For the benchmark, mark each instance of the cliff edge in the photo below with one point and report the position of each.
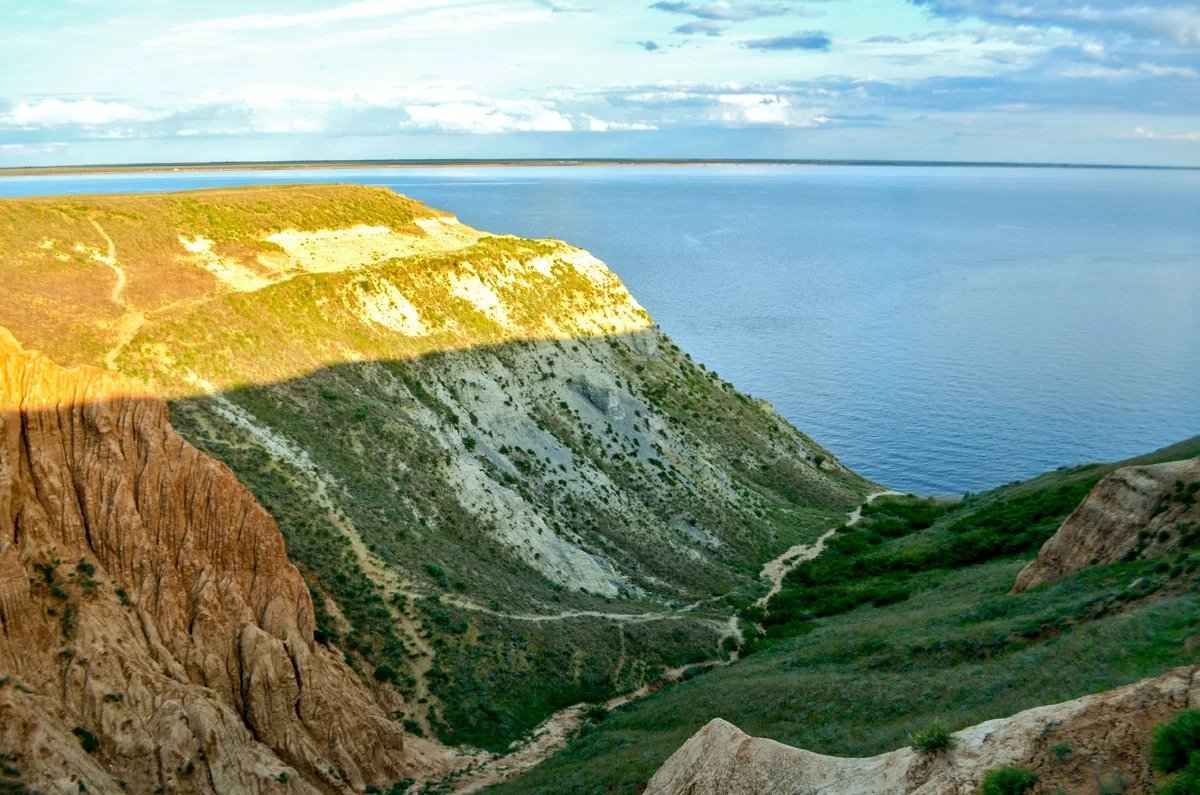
(153, 635)
(1135, 512)
(1077, 745)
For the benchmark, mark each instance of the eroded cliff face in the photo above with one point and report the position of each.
(1135, 511)
(1106, 738)
(152, 632)
(480, 449)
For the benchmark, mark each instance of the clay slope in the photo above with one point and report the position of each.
(153, 634)
(1108, 735)
(1135, 511)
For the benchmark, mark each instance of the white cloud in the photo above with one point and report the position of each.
(1169, 71)
(481, 116)
(766, 109)
(593, 124)
(31, 149)
(364, 9)
(61, 112)
(1187, 137)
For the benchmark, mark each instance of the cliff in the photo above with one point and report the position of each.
(1134, 512)
(482, 453)
(1099, 737)
(153, 635)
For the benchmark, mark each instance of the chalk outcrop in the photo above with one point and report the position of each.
(1137, 511)
(153, 634)
(1099, 738)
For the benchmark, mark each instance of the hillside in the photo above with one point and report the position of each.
(506, 490)
(1070, 746)
(908, 618)
(153, 635)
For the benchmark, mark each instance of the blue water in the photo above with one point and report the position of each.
(939, 329)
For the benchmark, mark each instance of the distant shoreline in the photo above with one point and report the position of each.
(289, 165)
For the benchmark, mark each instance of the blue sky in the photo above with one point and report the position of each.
(104, 81)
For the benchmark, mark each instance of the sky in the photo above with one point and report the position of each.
(134, 81)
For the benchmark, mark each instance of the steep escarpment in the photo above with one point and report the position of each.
(1140, 511)
(482, 453)
(153, 635)
(1077, 746)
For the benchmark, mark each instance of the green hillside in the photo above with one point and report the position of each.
(507, 489)
(907, 619)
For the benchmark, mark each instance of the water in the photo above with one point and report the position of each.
(939, 329)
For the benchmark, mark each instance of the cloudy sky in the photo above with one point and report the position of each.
(104, 81)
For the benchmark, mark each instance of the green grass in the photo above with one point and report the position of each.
(853, 675)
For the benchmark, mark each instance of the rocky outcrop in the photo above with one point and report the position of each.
(1135, 511)
(1078, 746)
(153, 634)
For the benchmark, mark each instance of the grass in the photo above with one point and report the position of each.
(685, 489)
(959, 648)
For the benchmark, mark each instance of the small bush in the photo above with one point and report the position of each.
(1062, 750)
(86, 739)
(1186, 781)
(934, 738)
(1008, 780)
(386, 673)
(1176, 742)
(1175, 749)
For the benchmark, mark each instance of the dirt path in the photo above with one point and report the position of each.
(775, 570)
(131, 319)
(552, 734)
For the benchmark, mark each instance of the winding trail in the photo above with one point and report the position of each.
(482, 769)
(775, 570)
(131, 319)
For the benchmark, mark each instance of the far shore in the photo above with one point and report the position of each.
(285, 165)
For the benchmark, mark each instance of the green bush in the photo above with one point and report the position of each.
(1175, 749)
(1176, 742)
(934, 738)
(1186, 781)
(1008, 780)
(86, 739)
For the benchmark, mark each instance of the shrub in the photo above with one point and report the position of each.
(934, 738)
(1062, 750)
(1185, 782)
(386, 673)
(86, 739)
(1176, 742)
(1176, 749)
(1008, 780)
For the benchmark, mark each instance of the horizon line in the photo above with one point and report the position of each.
(283, 165)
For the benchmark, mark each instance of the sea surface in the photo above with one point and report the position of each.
(940, 329)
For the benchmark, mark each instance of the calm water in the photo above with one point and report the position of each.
(939, 329)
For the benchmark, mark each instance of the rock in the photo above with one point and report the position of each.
(147, 606)
(1105, 527)
(1107, 733)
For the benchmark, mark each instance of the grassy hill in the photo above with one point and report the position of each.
(907, 618)
(507, 490)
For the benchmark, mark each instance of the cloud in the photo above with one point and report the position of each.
(17, 150)
(54, 112)
(732, 12)
(1188, 137)
(800, 40)
(649, 46)
(364, 9)
(1170, 21)
(563, 7)
(356, 23)
(706, 27)
(592, 124)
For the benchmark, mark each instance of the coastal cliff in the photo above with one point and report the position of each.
(153, 635)
(482, 454)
